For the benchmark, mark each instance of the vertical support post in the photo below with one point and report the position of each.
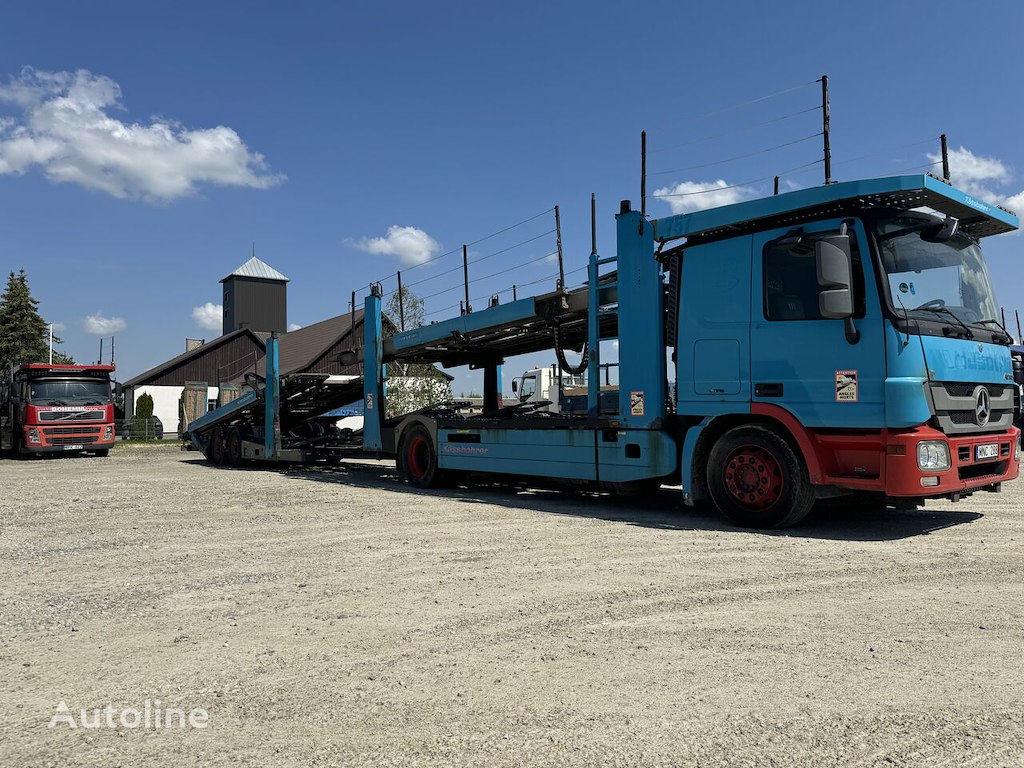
(593, 223)
(272, 400)
(100, 361)
(558, 240)
(111, 351)
(1002, 312)
(641, 330)
(776, 186)
(593, 321)
(491, 391)
(1020, 336)
(465, 276)
(373, 374)
(514, 296)
(825, 127)
(51, 343)
(401, 303)
(643, 174)
(945, 157)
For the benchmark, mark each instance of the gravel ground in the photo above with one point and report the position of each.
(336, 617)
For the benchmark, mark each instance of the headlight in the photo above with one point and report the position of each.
(933, 455)
(108, 433)
(33, 435)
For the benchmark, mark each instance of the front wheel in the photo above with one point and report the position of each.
(757, 480)
(417, 458)
(102, 453)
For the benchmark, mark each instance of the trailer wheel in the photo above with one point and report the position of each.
(217, 453)
(418, 458)
(757, 480)
(233, 450)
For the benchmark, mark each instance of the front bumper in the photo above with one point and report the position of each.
(68, 439)
(904, 478)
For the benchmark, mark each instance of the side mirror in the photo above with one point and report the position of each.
(835, 276)
(515, 386)
(942, 232)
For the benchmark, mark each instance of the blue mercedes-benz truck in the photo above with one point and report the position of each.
(837, 341)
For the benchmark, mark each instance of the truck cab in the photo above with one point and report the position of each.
(57, 409)
(857, 321)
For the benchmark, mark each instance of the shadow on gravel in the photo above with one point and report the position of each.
(663, 510)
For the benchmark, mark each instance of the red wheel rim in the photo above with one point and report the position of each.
(416, 457)
(753, 477)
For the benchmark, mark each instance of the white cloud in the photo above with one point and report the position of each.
(59, 327)
(410, 244)
(293, 326)
(698, 195)
(981, 176)
(209, 316)
(66, 131)
(103, 326)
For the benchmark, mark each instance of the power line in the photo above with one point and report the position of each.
(741, 104)
(493, 274)
(739, 157)
(482, 239)
(790, 172)
(886, 151)
(481, 258)
(733, 132)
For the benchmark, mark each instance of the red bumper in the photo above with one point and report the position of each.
(54, 439)
(967, 472)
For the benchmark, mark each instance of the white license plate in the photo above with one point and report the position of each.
(989, 451)
(73, 447)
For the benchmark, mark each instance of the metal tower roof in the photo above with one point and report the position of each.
(257, 269)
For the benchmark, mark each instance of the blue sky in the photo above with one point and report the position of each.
(151, 144)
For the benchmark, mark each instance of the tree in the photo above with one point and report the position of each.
(143, 425)
(24, 335)
(412, 386)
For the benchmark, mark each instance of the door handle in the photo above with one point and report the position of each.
(768, 390)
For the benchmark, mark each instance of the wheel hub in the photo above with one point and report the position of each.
(753, 477)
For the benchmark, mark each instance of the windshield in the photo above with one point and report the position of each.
(528, 389)
(933, 280)
(68, 392)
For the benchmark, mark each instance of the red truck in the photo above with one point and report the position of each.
(57, 409)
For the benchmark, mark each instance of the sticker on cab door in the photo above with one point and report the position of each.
(636, 403)
(846, 386)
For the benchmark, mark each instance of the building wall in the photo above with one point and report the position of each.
(223, 362)
(259, 305)
(165, 404)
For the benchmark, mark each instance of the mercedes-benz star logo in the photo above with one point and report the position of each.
(982, 407)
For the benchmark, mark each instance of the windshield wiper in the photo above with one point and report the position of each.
(1000, 326)
(951, 313)
(55, 402)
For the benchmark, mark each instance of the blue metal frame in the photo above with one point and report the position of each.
(895, 187)
(272, 400)
(373, 375)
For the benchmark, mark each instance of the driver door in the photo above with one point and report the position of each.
(801, 361)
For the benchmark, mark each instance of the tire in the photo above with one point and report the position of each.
(417, 458)
(217, 450)
(757, 480)
(103, 453)
(233, 450)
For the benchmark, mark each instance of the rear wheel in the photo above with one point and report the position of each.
(217, 448)
(757, 480)
(234, 448)
(418, 458)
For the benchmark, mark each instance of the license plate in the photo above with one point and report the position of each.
(73, 447)
(989, 451)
